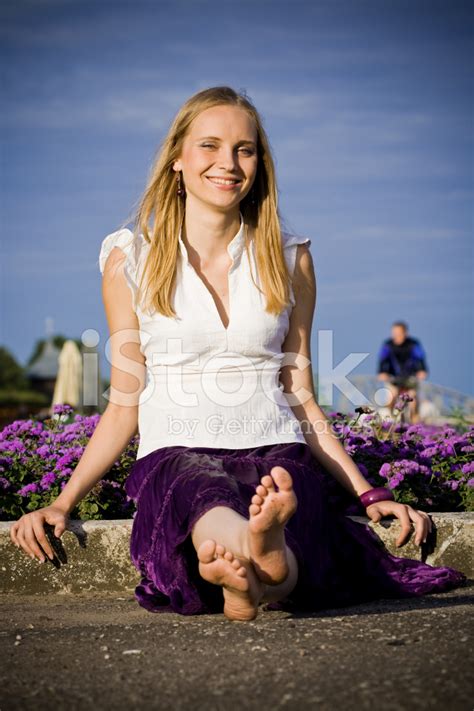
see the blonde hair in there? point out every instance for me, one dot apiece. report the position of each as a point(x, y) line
point(161, 204)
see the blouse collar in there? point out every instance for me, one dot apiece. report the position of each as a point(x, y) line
point(234, 248)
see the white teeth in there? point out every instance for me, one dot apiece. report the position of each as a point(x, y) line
point(223, 182)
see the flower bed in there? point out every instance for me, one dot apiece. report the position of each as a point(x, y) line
point(427, 466)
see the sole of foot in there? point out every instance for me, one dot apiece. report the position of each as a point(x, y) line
point(241, 587)
point(270, 509)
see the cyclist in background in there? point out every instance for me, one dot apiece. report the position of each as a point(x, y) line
point(402, 364)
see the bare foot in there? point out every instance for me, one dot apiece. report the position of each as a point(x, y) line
point(269, 511)
point(241, 588)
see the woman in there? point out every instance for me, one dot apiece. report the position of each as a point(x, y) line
point(231, 480)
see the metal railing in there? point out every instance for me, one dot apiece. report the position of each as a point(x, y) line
point(435, 401)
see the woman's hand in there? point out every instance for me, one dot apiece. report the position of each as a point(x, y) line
point(28, 532)
point(405, 513)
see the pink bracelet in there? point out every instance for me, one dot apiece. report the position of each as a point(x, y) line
point(380, 493)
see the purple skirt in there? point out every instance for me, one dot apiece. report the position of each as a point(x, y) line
point(341, 562)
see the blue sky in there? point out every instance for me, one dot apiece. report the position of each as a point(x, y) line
point(369, 108)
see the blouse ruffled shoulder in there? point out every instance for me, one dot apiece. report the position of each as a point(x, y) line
point(132, 247)
point(291, 240)
point(290, 245)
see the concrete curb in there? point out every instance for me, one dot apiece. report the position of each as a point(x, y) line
point(98, 554)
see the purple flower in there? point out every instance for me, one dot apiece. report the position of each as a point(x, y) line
point(47, 480)
point(429, 452)
point(393, 482)
point(468, 468)
point(62, 409)
point(28, 489)
point(66, 459)
point(401, 401)
point(15, 445)
point(44, 451)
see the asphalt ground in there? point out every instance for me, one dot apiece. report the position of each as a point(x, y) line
point(78, 652)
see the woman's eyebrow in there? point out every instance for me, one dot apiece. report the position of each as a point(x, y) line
point(216, 138)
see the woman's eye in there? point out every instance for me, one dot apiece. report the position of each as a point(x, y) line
point(248, 151)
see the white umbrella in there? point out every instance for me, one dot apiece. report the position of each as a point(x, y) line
point(67, 389)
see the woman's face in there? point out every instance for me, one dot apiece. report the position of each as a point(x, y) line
point(221, 143)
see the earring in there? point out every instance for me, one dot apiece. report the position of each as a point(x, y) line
point(180, 190)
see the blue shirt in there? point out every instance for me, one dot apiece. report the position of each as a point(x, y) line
point(402, 360)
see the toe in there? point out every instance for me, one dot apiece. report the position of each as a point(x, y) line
point(236, 564)
point(220, 550)
point(254, 509)
point(268, 482)
point(261, 491)
point(282, 478)
point(241, 571)
point(228, 555)
point(256, 499)
point(206, 552)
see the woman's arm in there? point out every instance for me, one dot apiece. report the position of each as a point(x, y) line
point(119, 422)
point(297, 379)
point(117, 425)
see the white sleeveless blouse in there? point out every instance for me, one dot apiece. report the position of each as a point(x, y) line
point(207, 385)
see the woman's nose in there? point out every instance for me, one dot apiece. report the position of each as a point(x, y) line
point(227, 159)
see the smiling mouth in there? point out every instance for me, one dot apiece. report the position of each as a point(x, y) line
point(223, 181)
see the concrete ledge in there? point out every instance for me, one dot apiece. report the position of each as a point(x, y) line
point(98, 554)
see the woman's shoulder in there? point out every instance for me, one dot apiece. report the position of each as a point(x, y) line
point(134, 246)
point(290, 239)
point(290, 242)
point(131, 244)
